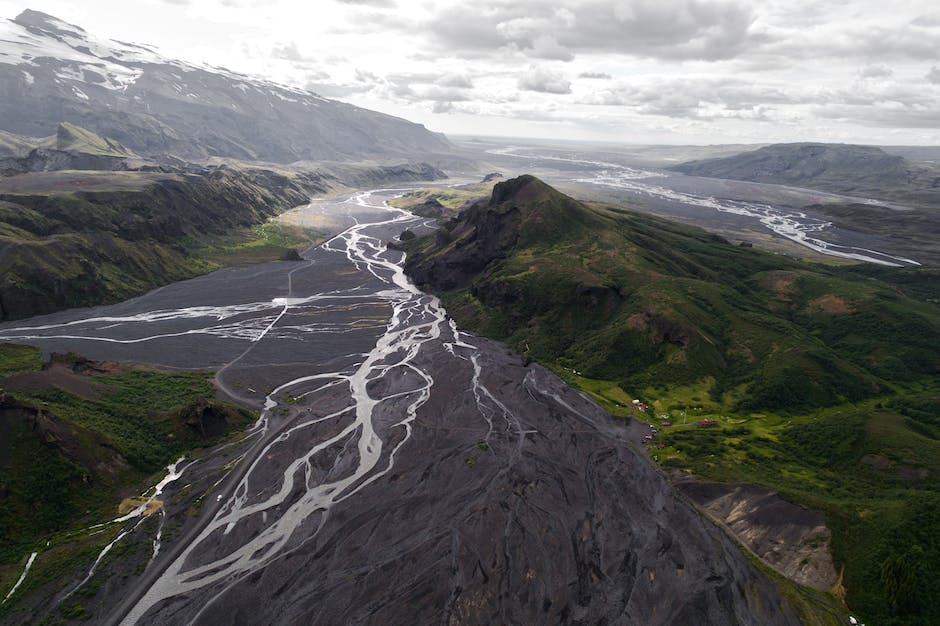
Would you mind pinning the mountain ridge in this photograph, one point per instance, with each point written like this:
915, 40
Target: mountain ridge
868, 171
51, 72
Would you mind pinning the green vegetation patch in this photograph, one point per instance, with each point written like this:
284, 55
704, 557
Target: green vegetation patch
866, 468
451, 199
271, 241
19, 359
67, 460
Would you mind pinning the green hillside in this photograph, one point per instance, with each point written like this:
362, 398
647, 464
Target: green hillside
77, 437
811, 372
70, 238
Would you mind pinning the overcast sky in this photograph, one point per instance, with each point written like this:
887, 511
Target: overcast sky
634, 71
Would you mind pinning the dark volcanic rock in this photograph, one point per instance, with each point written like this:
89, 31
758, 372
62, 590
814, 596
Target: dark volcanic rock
429, 208
520, 208
554, 520
209, 419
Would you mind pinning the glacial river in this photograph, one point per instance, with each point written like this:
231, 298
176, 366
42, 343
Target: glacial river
401, 471
670, 188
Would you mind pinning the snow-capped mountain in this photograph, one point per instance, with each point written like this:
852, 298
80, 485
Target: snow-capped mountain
52, 72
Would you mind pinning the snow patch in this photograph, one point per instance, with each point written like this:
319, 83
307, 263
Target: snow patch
120, 64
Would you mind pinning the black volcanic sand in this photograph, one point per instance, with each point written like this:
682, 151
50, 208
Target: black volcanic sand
407, 474
556, 521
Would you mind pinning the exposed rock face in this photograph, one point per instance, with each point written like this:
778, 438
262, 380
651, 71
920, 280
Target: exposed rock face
792, 539
155, 105
429, 208
209, 419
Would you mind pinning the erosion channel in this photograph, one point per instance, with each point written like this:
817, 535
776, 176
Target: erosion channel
401, 471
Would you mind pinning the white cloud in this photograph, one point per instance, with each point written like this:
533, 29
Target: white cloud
544, 80
876, 71
716, 70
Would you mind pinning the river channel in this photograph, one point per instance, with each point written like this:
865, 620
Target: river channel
401, 471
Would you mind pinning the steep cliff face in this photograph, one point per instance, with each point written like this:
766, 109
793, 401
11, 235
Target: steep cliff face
77, 248
794, 540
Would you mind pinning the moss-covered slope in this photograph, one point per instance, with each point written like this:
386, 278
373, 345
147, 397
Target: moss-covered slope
73, 239
650, 303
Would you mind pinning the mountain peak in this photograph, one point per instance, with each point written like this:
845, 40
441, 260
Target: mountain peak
523, 212
520, 188
547, 215
48, 23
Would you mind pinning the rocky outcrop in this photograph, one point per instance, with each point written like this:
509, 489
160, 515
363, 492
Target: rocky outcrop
792, 539
210, 419
429, 208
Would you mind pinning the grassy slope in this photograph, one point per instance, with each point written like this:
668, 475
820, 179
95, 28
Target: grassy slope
807, 369
451, 198
66, 247
77, 139
121, 432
